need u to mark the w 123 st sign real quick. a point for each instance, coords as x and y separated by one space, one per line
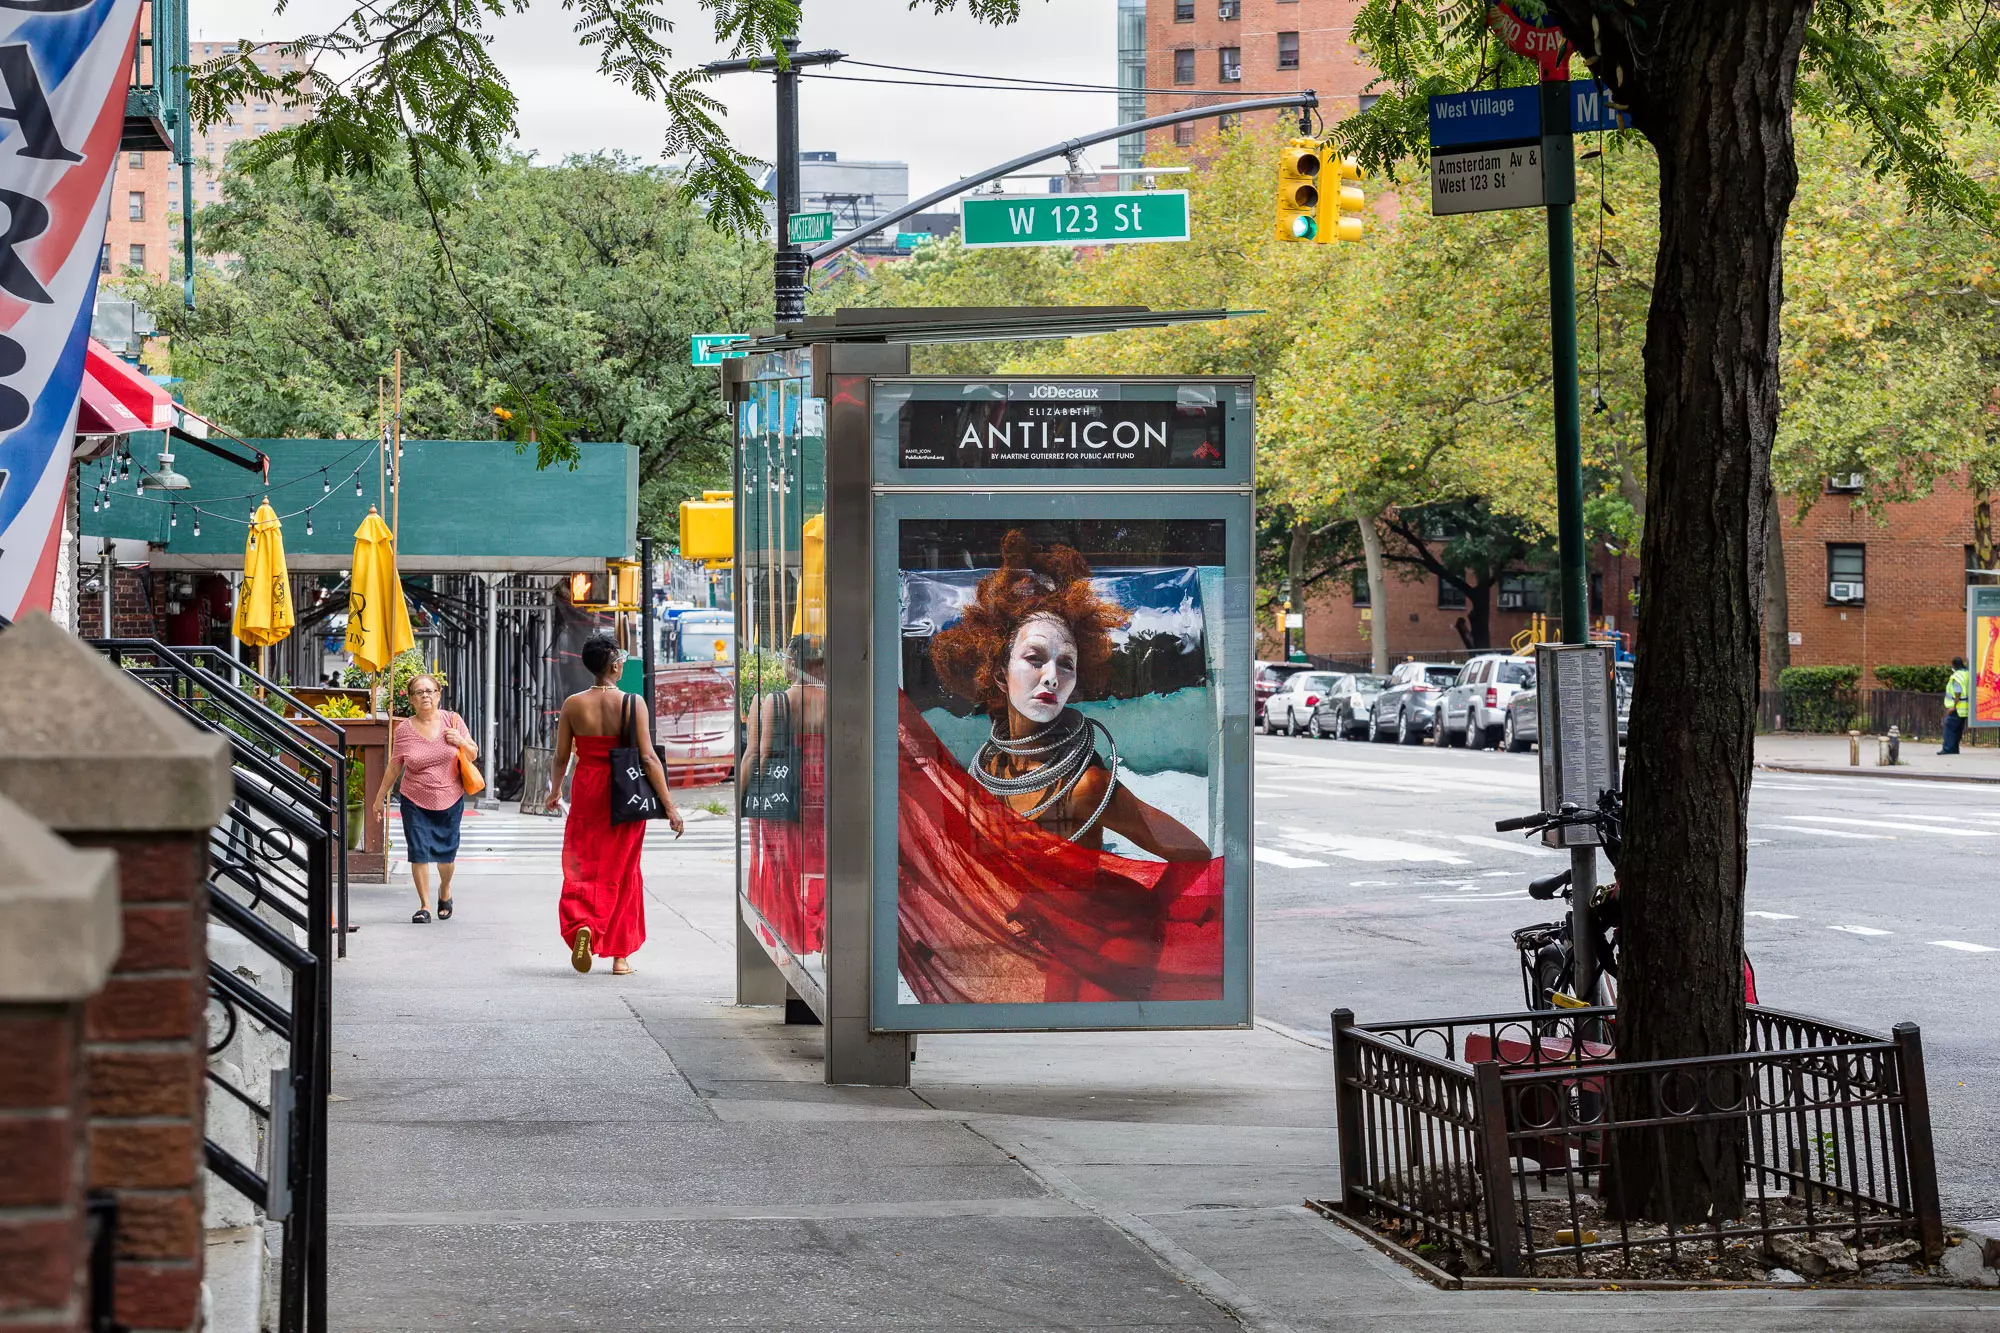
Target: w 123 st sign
1076 219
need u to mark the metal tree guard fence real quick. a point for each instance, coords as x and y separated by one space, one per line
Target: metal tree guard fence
1486 1141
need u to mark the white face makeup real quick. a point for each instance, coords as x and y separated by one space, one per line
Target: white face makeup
1041 669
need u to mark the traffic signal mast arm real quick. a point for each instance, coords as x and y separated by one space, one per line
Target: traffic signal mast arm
1303 102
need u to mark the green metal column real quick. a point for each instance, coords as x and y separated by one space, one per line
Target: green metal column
1559 179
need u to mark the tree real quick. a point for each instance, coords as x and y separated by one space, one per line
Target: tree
1712 86
1468 546
567 303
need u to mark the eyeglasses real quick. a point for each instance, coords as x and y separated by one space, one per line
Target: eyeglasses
423 691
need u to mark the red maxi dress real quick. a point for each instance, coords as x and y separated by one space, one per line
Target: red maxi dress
601 884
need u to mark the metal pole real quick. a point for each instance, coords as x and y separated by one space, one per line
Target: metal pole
1559 195
106 609
492 692
646 631
791 265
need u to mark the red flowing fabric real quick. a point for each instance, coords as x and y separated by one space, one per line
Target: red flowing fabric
992 908
601 884
788 859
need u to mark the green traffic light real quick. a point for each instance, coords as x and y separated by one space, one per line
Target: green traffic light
1303 227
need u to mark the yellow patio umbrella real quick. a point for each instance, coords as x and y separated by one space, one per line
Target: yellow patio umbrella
264 602
378 620
809 616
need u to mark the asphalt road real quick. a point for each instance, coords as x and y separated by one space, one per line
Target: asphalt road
1382 886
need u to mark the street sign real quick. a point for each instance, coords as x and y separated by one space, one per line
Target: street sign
712 349
1497 115
910 240
1485 179
808 228
1590 108
1576 713
1546 46
1076 219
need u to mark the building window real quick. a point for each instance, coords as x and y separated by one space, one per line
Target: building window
1184 133
1228 121
209 148
1519 592
1451 597
1184 65
261 128
210 188
1288 50
1846 571
135 205
136 256
1229 62
1229 10
135 160
1846 483
104 258
1359 596
1183 11
1367 100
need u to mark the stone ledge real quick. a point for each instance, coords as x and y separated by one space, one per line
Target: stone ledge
60 922
86 749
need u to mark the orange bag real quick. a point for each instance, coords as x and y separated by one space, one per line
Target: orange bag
468 772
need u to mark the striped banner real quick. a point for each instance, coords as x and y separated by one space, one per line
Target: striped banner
64 68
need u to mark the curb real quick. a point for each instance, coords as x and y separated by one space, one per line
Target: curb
1874 771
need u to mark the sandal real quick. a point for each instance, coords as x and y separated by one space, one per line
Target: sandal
420 917
444 909
579 953
622 969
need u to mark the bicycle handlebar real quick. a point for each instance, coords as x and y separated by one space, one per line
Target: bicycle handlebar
1520 822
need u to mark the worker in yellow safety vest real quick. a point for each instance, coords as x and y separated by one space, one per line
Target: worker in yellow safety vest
1957 705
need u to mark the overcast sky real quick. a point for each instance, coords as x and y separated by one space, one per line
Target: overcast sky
567 107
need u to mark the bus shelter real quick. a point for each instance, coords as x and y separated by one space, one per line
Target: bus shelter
994 688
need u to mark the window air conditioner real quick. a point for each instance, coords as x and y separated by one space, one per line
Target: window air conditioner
1844 592
1846 481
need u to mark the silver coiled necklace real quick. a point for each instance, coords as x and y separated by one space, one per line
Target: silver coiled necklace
1060 754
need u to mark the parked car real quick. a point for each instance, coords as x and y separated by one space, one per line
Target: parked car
1343 710
1474 710
1266 677
1292 707
1521 728
1407 707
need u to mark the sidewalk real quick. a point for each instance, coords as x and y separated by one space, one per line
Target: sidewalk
519 1147
1919 759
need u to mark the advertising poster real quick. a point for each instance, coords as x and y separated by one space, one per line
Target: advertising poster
1059 798
1982 626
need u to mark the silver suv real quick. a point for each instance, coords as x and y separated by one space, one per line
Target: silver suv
1473 710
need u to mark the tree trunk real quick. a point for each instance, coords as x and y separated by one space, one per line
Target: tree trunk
1777 600
1982 530
1711 87
1479 614
1378 587
1295 580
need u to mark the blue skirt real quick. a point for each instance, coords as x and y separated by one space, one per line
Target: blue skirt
431 836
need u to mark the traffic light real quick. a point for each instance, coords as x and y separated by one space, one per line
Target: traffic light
1339 201
1298 190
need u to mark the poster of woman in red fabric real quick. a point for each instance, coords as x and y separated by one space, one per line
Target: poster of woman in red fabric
1058 740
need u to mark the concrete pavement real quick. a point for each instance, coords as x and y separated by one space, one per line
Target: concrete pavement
1918 759
519 1147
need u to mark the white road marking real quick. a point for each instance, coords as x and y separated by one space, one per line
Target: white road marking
1761 784
1501 844
1963 947
1270 857
1861 930
1758 842
1474 898
1356 848
1367 883
1904 825
1773 916
1827 832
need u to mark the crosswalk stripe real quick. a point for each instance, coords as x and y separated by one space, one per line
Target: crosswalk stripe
1904 825
1963 947
1861 930
1276 858
1827 832
1501 844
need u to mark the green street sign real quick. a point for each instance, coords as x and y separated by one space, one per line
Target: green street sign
910 240
712 349
808 228
1076 219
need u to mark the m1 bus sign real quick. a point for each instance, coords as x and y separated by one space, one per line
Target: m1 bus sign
1076 219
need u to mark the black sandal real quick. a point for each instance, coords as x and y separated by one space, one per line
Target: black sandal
420 917
444 909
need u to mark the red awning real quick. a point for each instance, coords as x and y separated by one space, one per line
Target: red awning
117 399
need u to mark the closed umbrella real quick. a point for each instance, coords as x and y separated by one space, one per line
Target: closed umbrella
264 602
378 620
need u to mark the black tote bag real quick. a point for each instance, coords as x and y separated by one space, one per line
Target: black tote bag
632 794
771 790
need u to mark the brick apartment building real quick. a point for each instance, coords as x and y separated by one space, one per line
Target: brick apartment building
143 230
1241 48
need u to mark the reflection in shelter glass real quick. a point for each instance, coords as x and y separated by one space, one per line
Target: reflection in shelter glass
781 700
1059 803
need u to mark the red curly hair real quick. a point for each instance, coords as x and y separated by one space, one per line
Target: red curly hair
971 656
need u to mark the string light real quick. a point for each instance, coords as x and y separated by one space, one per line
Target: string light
174 516
197 523
325 486
357 485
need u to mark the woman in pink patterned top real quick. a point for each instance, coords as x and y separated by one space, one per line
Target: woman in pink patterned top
426 759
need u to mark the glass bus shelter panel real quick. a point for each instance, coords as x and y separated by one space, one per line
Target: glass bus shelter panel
1061 759
781 695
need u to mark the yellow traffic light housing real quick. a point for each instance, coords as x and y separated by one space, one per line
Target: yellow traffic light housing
708 527
1340 201
1298 190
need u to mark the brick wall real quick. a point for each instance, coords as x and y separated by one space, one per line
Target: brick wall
1914 610
1328 62
43 1236
157 227
133 614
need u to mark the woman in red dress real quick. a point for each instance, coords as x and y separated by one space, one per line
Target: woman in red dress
603 909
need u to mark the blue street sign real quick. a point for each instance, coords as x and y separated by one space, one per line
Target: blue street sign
1514 115
1498 115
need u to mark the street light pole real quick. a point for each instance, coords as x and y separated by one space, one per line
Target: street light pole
791 264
